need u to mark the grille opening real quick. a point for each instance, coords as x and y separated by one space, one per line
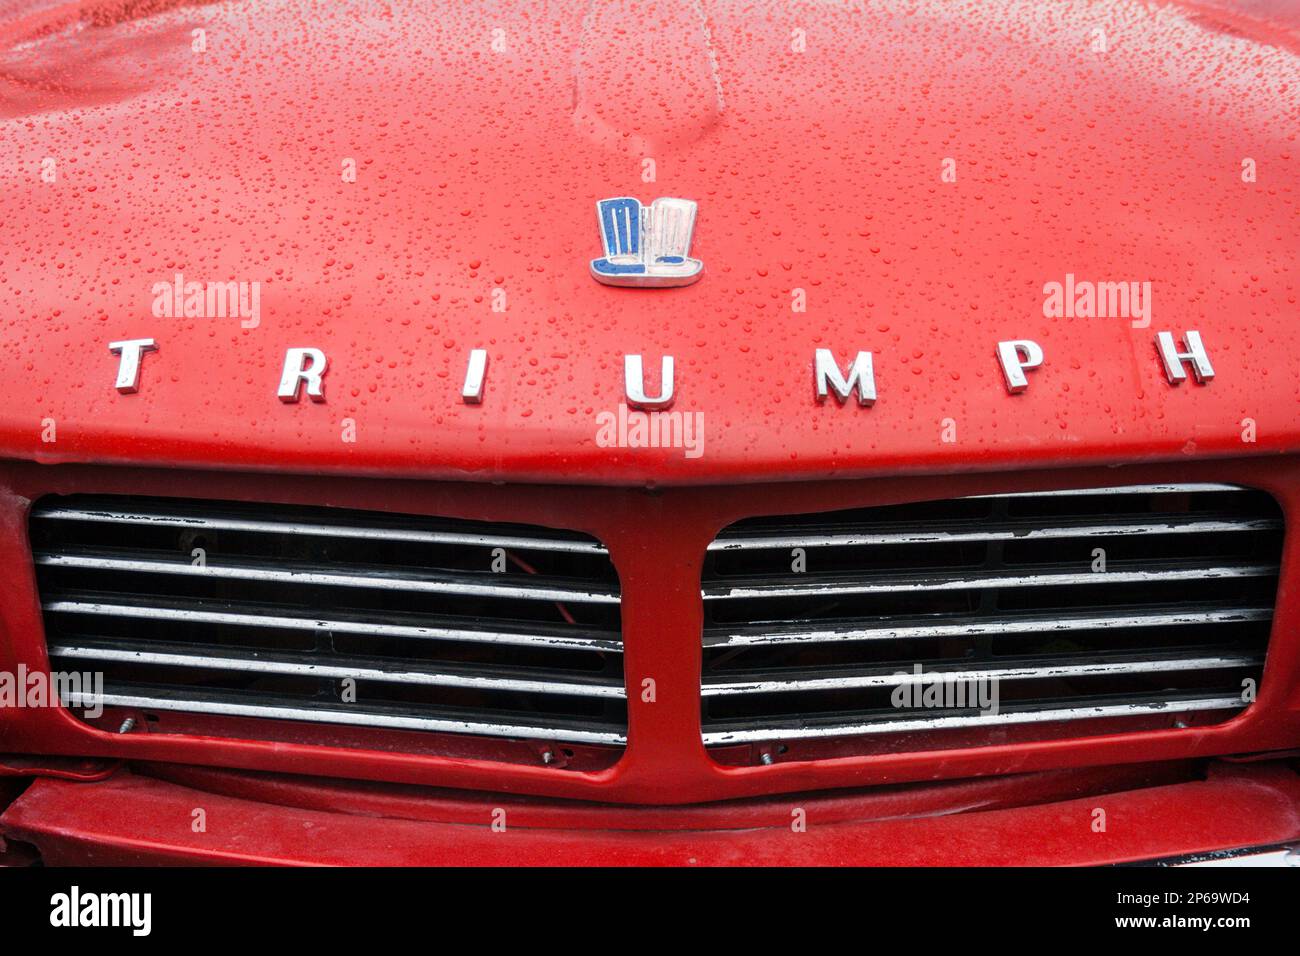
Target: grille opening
394 623
1117 609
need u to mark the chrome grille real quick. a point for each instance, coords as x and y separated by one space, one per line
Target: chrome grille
331 616
1131 606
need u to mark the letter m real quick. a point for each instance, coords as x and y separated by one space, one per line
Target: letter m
861 376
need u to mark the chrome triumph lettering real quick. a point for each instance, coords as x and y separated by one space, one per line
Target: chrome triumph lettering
1173 359
475 377
307 366
1017 355
827 377
634 383
128 369
296 371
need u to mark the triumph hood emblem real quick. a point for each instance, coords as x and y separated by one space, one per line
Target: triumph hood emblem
646 246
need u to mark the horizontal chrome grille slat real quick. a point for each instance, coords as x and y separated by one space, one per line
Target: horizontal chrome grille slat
391 622
1009 670
430 583
974 627
952 582
335 667
1021 531
374 629
387 721
911 724
205 523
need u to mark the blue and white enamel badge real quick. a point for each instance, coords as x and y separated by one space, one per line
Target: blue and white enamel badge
646 246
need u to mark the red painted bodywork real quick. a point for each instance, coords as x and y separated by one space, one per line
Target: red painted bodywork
478 170
132 820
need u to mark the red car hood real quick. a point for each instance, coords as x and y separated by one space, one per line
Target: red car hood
480 155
